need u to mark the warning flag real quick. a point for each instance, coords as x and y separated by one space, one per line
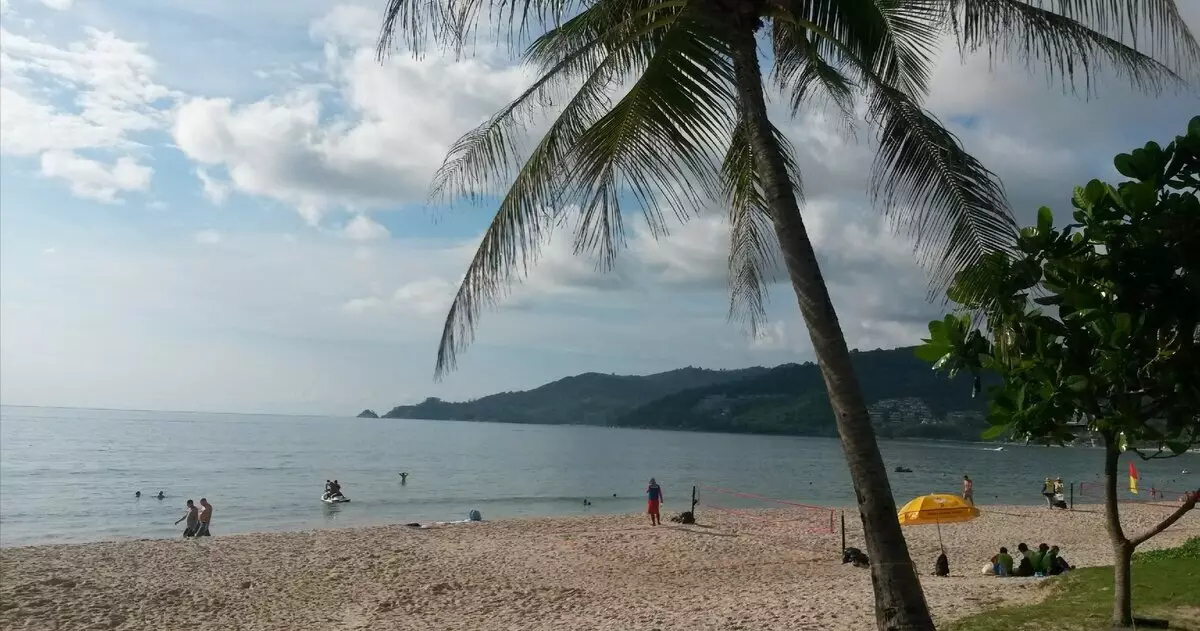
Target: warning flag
1133 479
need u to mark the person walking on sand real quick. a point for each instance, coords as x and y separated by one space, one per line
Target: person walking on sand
1048 492
192 518
968 490
654 498
205 517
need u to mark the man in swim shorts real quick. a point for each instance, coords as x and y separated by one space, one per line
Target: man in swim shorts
654 496
192 520
205 517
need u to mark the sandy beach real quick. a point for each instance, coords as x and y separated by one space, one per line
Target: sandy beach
760 570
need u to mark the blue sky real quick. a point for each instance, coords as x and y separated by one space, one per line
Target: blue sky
218 206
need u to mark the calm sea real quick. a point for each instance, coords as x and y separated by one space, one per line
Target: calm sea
69 475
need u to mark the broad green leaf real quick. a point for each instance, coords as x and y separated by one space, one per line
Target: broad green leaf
932 352
1078 383
1094 192
1045 221
994 432
1124 164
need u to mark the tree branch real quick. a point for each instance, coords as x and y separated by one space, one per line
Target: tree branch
1166 523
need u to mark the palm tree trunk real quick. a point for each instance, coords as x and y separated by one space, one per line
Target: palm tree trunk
899 601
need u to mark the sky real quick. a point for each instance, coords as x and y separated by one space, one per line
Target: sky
220 206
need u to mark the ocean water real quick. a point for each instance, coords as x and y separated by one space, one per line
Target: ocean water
69 475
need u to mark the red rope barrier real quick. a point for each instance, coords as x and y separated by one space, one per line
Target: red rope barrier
764 498
749 512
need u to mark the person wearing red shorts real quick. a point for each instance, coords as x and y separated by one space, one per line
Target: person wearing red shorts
654 497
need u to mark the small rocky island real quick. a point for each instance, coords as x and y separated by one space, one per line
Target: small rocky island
368 414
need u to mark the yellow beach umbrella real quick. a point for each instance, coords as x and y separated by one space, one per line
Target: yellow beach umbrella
937 509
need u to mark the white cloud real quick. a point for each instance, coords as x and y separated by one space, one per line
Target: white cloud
115 98
208 237
381 150
360 305
772 337
59 5
426 297
363 228
214 189
91 179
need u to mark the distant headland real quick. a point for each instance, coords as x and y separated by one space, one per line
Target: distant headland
906 400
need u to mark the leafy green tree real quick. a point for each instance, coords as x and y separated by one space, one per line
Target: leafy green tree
661 105
1096 326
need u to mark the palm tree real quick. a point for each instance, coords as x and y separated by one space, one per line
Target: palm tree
661 104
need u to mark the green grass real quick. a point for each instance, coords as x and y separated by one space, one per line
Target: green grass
1166 585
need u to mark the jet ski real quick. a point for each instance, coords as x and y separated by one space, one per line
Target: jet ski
334 498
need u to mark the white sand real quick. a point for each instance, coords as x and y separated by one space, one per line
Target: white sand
759 571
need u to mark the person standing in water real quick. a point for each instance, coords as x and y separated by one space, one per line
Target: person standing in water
654 498
968 490
404 478
192 518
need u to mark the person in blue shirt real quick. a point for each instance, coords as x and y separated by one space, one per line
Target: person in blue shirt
654 496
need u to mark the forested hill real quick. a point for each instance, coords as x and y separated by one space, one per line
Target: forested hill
590 398
906 399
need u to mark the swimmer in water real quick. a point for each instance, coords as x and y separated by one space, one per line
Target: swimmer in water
138 494
160 495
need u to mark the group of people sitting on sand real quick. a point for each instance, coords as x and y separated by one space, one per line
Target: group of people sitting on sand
1044 561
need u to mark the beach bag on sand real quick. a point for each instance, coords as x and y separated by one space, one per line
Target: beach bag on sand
989 570
686 517
942 566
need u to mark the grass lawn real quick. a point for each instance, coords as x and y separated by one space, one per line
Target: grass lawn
1166 585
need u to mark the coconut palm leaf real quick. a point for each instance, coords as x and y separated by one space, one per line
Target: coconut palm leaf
931 189
583 58
665 130
1081 38
753 248
898 39
804 76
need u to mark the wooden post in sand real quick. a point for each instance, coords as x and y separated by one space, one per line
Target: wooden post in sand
843 531
694 502
1072 496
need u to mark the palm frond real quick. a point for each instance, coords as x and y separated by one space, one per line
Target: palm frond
583 58
803 75
753 249
418 25
665 130
897 39
1080 38
953 208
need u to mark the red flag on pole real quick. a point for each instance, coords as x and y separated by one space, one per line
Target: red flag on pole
1133 479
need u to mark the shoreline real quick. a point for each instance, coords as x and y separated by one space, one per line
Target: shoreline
707 510
750 570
